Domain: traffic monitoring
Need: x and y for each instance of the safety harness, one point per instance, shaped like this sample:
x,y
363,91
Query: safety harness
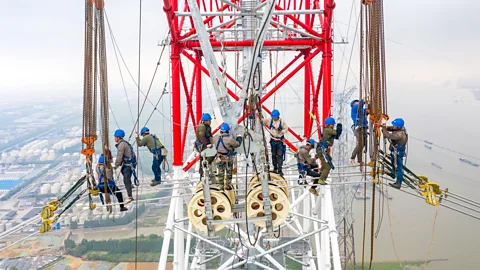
x,y
302,167
130,162
276,144
230,153
101,185
198,144
323,147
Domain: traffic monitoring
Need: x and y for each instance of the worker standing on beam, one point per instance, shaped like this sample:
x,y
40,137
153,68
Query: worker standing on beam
x,y
398,137
204,139
225,146
307,165
126,161
155,146
324,147
360,127
112,187
278,130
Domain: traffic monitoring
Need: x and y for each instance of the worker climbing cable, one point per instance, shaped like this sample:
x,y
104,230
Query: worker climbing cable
x,y
278,129
111,186
225,146
329,134
204,139
307,166
398,137
360,128
126,161
158,150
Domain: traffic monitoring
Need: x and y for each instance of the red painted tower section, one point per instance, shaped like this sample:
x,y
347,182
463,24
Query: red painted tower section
x,y
310,36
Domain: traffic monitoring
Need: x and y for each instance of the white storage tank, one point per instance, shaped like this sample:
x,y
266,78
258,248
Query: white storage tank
x,y
45,189
65,188
55,189
2,227
8,226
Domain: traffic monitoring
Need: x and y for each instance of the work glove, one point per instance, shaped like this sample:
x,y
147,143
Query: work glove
x,y
239,138
209,145
339,131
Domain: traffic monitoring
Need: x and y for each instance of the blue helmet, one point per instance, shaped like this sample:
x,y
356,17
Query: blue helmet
x,y
311,142
353,101
119,133
144,130
101,159
225,127
398,122
329,121
275,113
206,117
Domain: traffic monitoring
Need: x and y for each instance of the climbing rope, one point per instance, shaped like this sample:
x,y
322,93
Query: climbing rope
x,y
138,117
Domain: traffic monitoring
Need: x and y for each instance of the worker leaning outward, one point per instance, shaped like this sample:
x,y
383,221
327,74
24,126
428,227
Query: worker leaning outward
x,y
204,139
155,146
278,129
324,147
398,137
360,127
307,165
225,146
111,188
126,160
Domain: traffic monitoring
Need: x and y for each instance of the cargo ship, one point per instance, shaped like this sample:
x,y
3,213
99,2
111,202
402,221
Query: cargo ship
x,y
469,162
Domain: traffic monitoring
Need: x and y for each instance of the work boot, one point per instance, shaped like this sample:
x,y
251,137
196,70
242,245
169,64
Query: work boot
x,y
280,173
353,162
395,185
154,183
123,209
321,182
129,200
229,187
313,191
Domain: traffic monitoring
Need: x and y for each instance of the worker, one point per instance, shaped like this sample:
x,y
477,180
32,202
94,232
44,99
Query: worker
x,y
155,146
398,137
204,139
126,161
225,146
360,127
112,187
307,165
324,147
278,128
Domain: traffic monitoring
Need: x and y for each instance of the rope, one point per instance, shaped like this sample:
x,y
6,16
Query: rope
x,y
138,116
119,68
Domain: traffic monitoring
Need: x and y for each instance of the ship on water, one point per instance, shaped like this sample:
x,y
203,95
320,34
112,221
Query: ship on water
x,y
428,147
469,162
436,166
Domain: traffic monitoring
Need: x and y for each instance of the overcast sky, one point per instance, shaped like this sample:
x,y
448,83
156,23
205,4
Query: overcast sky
x,y
433,43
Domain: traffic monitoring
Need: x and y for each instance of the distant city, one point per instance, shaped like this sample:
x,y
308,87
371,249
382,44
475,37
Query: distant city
x,y
40,161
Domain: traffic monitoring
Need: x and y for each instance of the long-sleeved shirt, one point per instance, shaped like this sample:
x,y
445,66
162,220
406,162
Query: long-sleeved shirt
x,y
396,137
329,135
359,113
204,135
149,142
303,156
276,132
229,144
101,172
123,150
